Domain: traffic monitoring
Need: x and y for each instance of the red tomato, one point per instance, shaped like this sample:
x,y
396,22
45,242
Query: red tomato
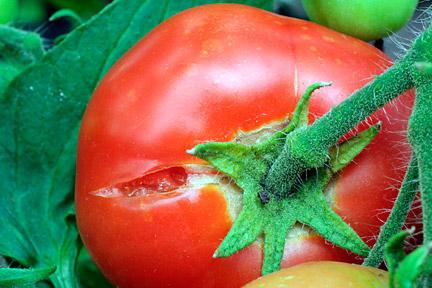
x,y
324,274
150,214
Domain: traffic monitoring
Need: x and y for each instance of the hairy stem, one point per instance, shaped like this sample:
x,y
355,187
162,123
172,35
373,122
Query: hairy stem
x,y
420,126
425,171
327,130
420,136
397,216
308,148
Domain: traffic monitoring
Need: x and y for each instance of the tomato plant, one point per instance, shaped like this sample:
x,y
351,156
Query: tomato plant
x,y
324,274
367,20
151,214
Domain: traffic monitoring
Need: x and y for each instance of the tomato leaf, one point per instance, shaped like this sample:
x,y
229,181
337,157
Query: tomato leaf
x,y
394,252
18,50
73,17
15,276
84,8
41,111
415,264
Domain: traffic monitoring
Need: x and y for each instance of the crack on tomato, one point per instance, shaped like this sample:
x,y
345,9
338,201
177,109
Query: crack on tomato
x,y
162,181
173,180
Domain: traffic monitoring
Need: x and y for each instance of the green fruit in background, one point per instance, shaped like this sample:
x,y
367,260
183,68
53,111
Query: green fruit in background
x,y
31,11
363,19
8,10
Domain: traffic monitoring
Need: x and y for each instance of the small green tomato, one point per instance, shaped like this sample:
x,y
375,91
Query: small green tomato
x,y
363,19
8,10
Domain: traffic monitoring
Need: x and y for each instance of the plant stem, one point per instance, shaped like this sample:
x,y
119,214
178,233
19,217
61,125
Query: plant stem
x,y
327,130
308,148
420,136
420,126
397,216
425,171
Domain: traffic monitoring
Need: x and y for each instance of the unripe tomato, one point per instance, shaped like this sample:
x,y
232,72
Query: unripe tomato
x,y
324,274
8,10
363,19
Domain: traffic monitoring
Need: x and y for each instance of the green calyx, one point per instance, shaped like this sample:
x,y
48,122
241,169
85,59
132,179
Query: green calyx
x,y
303,201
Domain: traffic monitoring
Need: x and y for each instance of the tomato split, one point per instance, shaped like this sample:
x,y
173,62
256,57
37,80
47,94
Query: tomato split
x,y
152,215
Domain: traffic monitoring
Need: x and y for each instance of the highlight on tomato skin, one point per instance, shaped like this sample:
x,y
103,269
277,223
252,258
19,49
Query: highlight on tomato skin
x,y
324,274
152,215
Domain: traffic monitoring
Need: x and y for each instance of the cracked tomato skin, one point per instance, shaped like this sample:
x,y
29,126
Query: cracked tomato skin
x,y
152,215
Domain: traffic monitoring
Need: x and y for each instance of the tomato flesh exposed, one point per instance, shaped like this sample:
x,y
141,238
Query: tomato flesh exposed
x,y
152,215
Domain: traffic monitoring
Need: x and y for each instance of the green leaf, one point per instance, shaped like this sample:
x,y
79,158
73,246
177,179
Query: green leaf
x,y
16,276
74,18
41,111
18,50
84,8
415,264
394,252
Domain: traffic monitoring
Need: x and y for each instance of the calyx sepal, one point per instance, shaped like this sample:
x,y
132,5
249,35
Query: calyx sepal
x,y
248,165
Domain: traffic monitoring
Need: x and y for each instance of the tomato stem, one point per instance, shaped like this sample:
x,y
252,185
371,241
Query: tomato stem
x,y
420,125
420,137
308,148
397,216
